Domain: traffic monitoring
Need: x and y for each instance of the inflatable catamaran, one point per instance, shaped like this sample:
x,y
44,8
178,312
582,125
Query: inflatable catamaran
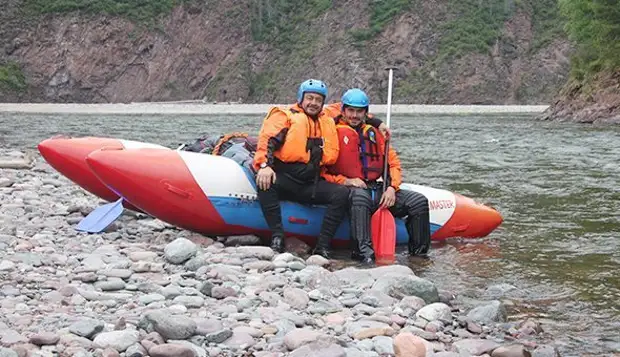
x,y
215,196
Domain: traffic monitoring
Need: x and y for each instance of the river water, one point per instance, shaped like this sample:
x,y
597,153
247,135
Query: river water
x,y
556,256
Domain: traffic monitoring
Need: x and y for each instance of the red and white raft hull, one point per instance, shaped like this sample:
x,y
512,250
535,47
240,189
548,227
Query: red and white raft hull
x,y
213,195
68,156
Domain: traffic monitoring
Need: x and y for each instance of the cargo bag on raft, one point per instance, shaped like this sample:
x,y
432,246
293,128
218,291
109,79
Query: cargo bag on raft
x,y
239,147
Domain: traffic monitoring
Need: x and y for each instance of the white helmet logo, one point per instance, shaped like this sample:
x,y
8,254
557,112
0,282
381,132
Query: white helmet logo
x,y
346,140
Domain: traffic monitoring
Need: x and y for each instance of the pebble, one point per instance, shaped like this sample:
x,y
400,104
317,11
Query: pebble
x,y
145,288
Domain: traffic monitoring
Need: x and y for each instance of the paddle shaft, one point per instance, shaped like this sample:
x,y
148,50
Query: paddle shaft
x,y
389,112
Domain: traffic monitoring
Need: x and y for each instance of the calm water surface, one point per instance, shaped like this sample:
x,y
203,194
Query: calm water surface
x,y
556,256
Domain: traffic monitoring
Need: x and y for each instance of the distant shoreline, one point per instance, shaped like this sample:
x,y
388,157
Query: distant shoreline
x,y
234,108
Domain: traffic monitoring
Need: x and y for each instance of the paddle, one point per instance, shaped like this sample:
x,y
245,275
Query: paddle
x,y
101,217
383,226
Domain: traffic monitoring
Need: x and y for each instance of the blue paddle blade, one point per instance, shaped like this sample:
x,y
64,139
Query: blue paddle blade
x,y
101,217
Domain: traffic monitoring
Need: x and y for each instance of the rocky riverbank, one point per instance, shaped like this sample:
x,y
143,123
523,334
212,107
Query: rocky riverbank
x,y
597,102
144,288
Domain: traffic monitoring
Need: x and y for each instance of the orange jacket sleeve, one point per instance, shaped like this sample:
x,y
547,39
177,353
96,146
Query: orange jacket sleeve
x,y
272,126
333,109
334,178
395,169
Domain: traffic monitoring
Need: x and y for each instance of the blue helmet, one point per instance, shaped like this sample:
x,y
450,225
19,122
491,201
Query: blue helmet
x,y
311,85
355,97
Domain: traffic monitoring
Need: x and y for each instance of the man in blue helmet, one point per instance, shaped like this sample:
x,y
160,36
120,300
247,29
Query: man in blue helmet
x,y
294,145
360,163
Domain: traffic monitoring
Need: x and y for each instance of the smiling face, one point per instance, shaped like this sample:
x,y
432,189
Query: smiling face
x,y
354,116
312,103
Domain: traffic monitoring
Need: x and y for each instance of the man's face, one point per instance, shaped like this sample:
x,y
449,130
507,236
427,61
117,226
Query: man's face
x,y
312,103
354,116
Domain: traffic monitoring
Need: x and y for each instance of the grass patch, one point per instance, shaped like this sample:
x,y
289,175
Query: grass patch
x,y
381,13
12,78
139,11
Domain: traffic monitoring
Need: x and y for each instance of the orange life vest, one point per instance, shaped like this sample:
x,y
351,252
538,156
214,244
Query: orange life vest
x,y
301,129
361,152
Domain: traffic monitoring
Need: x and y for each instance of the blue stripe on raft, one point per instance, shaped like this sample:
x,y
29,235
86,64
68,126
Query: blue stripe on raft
x,y
297,218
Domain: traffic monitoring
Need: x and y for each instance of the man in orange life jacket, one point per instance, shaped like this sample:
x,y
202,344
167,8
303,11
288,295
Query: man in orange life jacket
x,y
294,145
360,163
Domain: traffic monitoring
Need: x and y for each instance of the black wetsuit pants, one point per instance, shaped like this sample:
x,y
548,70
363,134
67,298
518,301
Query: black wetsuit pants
x,y
409,204
333,195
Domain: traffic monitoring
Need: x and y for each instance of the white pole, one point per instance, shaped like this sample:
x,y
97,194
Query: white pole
x,y
389,100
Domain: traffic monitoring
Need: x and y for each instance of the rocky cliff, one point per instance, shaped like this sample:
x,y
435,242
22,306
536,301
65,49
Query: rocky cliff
x,y
446,51
596,102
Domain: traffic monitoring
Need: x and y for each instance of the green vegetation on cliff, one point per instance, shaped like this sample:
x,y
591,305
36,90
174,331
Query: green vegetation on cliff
x,y
143,11
381,13
285,23
475,27
12,78
546,22
595,28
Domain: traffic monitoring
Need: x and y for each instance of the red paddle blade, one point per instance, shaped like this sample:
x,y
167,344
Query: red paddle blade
x,y
383,233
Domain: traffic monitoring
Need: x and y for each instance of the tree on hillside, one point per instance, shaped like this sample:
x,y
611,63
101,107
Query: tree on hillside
x,y
595,27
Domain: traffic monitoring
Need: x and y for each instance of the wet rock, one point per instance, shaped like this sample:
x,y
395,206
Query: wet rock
x,y
474,347
180,250
399,286
511,351
376,298
545,351
530,327
491,312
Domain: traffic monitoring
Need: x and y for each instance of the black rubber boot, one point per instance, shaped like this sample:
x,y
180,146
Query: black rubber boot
x,y
321,249
361,202
418,228
277,243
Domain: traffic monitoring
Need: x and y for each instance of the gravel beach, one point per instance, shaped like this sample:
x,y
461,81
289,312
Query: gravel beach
x,y
145,288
